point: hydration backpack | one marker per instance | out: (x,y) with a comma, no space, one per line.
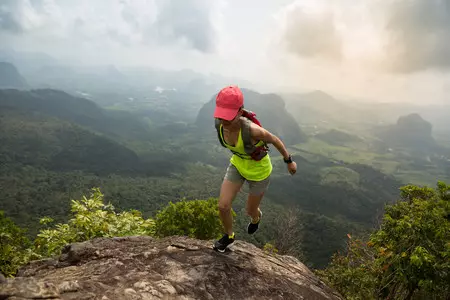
(255,152)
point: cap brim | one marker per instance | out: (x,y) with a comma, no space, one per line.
(225,113)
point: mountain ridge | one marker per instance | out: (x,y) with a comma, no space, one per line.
(10,77)
(84,112)
(410,131)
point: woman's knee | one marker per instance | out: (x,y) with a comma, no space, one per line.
(228,192)
(224,206)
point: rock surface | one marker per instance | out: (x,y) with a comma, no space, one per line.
(169,268)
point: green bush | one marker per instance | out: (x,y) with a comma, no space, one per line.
(270,249)
(354,273)
(14,246)
(91,218)
(408,257)
(195,218)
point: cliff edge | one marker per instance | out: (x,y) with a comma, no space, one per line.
(142,267)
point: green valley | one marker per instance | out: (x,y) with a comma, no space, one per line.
(56,147)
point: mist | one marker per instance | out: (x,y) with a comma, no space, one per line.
(384,52)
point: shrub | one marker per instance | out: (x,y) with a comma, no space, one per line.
(91,218)
(195,218)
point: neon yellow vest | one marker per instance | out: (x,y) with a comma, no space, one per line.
(250,169)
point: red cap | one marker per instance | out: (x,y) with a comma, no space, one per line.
(228,102)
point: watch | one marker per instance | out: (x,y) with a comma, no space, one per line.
(289,160)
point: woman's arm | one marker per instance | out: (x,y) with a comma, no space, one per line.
(261,134)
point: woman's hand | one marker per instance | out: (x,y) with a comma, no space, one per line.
(292,167)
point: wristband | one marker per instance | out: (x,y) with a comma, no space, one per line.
(289,160)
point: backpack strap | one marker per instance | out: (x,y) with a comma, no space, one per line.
(218,129)
(251,115)
(256,153)
(246,136)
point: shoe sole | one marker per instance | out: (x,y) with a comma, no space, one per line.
(222,251)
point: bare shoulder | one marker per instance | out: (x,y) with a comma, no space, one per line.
(255,129)
(260,133)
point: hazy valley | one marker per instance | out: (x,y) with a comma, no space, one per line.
(146,137)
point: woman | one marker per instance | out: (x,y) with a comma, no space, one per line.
(248,163)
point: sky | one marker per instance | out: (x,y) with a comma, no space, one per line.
(383,50)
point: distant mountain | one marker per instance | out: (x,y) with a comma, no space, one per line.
(10,77)
(28,138)
(72,78)
(80,111)
(270,110)
(337,137)
(319,107)
(436,114)
(410,131)
(26,61)
(53,76)
(53,129)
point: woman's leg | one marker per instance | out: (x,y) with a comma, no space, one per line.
(228,192)
(256,194)
(253,210)
(231,186)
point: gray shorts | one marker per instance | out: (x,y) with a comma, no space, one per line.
(255,187)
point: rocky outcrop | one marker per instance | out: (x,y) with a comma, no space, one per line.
(410,131)
(169,268)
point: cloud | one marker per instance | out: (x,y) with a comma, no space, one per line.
(8,22)
(391,36)
(417,35)
(188,21)
(11,16)
(106,23)
(28,16)
(310,32)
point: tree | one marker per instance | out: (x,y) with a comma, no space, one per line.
(408,257)
(413,244)
(91,218)
(289,236)
(354,273)
(14,246)
(195,218)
